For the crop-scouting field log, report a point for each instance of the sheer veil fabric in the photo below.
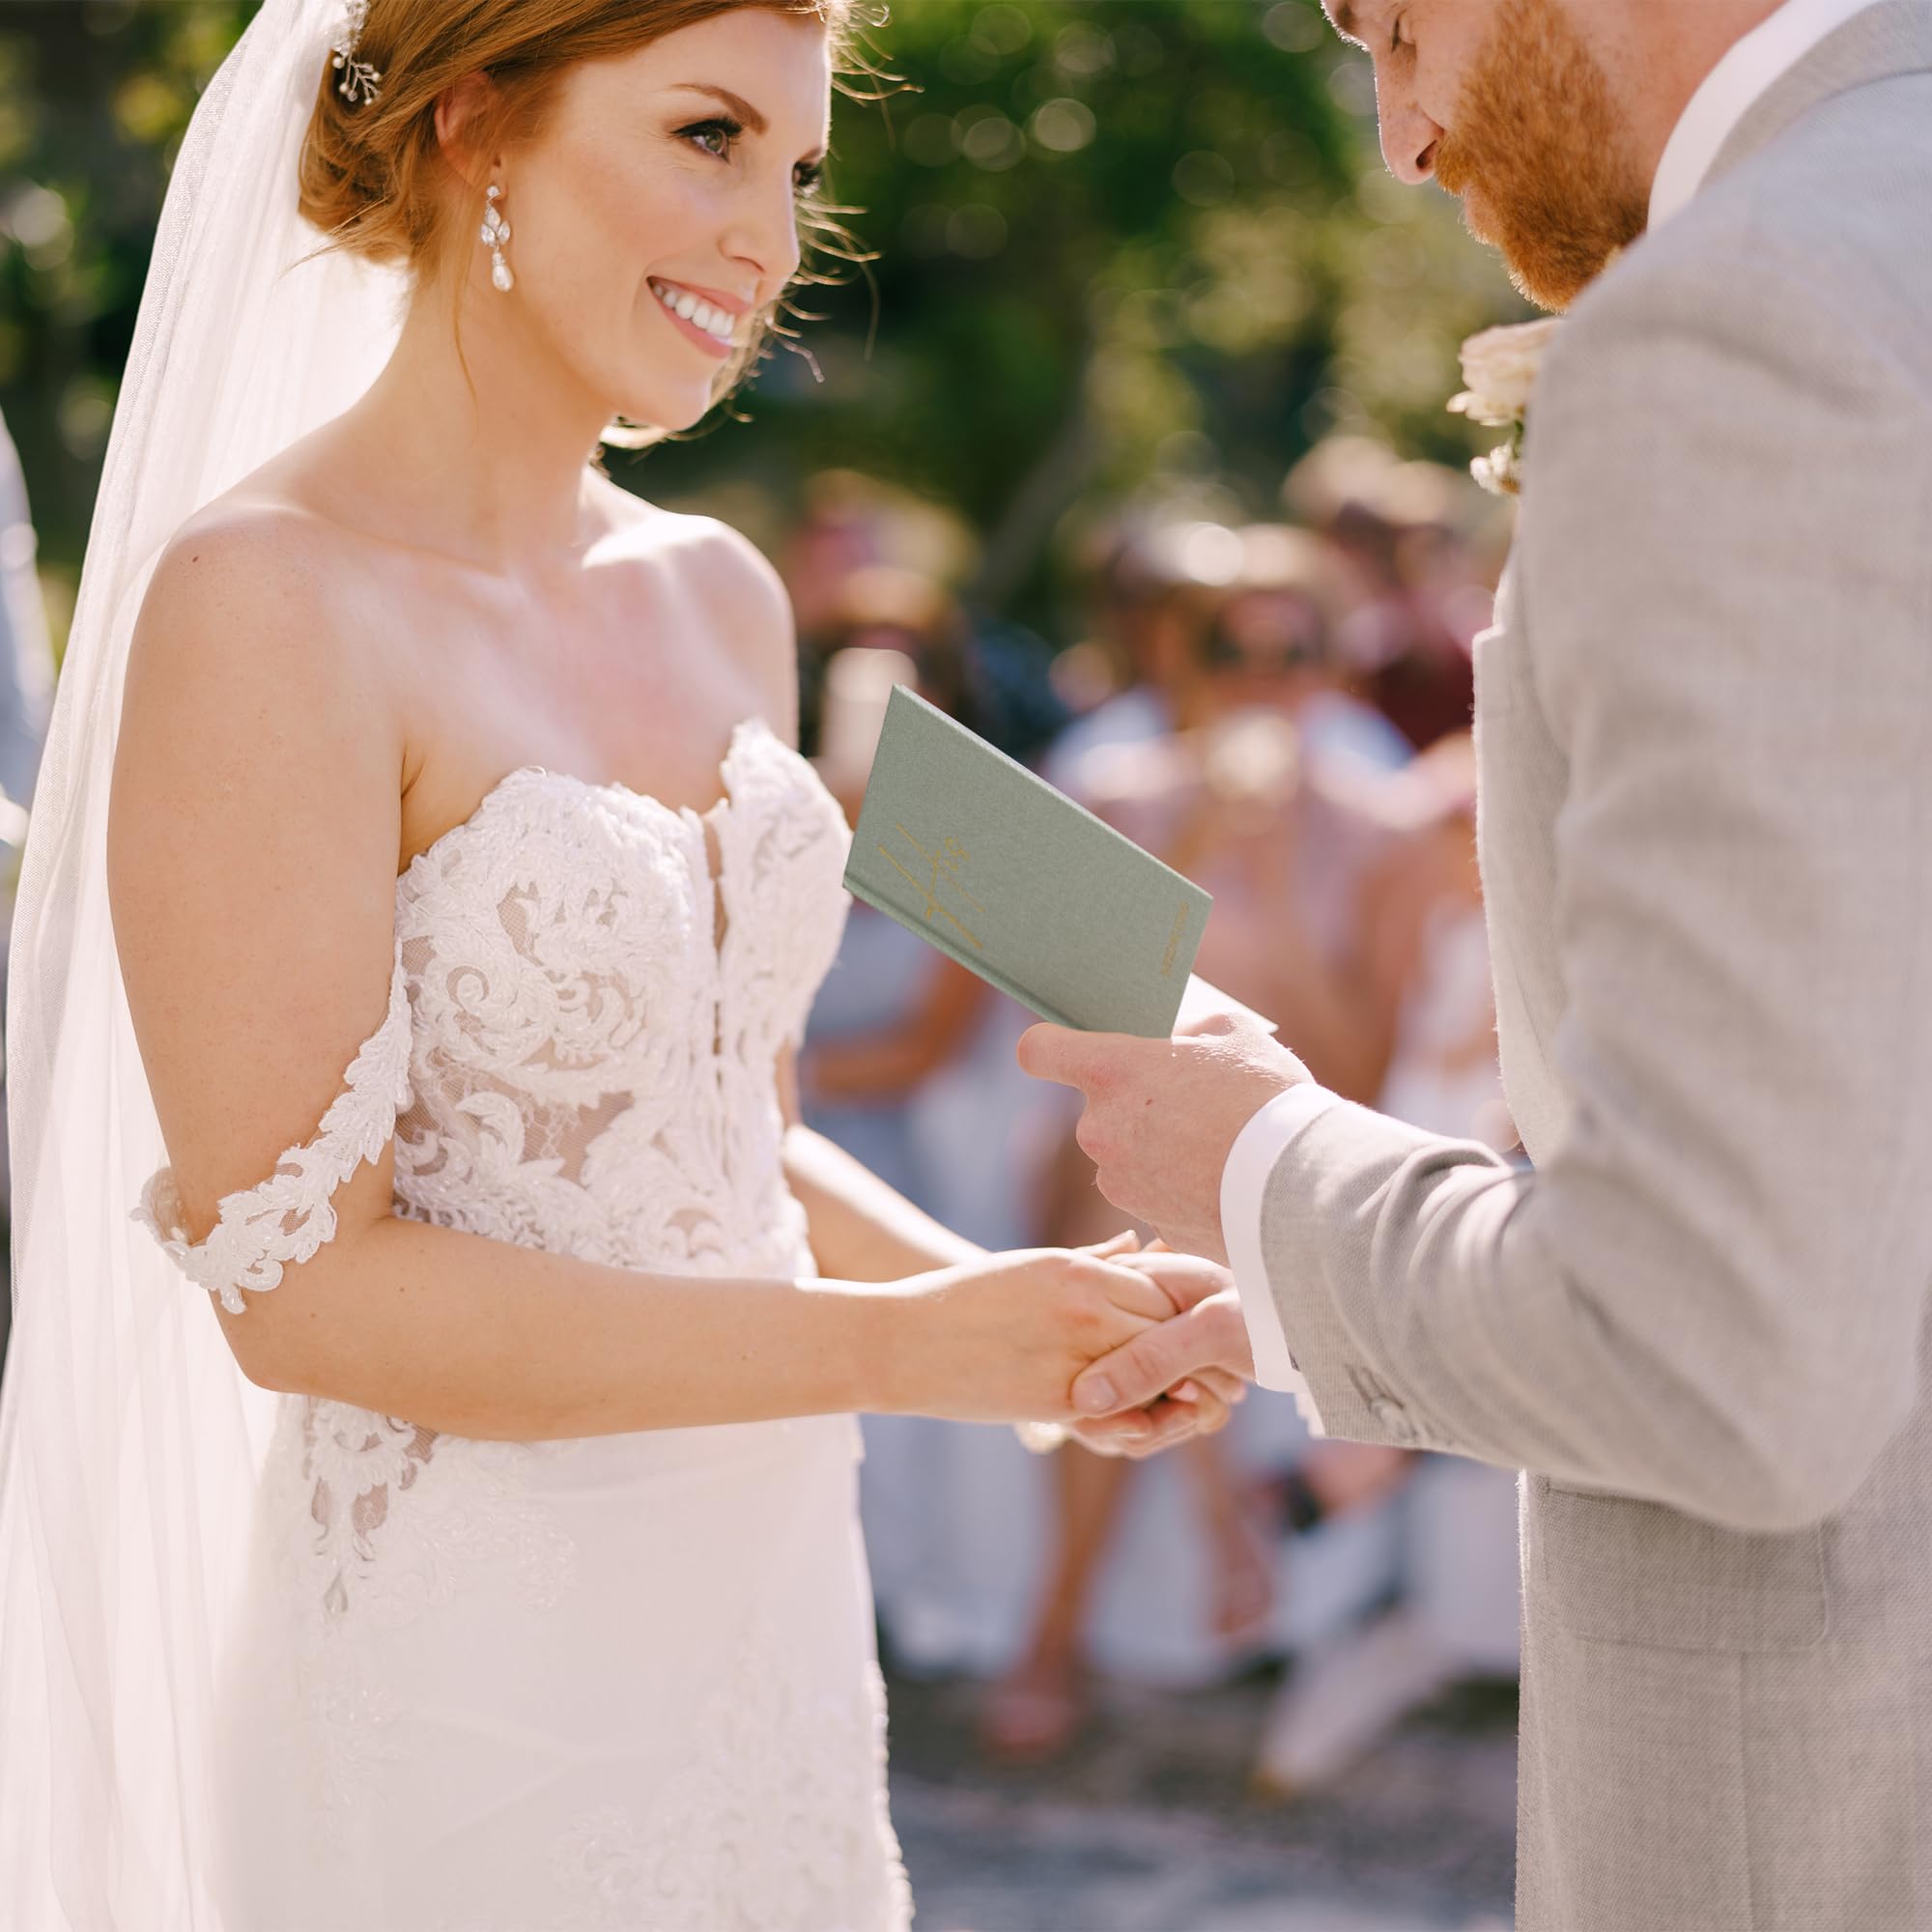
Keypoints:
(130, 1444)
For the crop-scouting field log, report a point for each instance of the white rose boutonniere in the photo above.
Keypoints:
(1499, 368)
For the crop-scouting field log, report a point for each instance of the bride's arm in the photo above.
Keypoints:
(861, 1227)
(254, 834)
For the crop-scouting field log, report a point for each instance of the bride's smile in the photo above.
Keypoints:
(710, 319)
(655, 212)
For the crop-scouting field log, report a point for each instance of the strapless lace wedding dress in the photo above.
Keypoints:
(627, 1681)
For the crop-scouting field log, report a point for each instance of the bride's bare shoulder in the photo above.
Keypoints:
(255, 586)
(248, 560)
(246, 660)
(719, 573)
(721, 563)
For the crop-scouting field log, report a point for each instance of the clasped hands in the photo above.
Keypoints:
(1179, 1377)
(1160, 1119)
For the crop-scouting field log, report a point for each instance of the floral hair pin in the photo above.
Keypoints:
(359, 78)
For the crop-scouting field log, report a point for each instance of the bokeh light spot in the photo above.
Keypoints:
(1063, 127)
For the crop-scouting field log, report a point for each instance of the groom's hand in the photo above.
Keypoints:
(1162, 1115)
(1121, 1395)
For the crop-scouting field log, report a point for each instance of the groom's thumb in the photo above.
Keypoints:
(1128, 1377)
(1206, 1337)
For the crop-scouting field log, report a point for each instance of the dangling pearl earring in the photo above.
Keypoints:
(496, 232)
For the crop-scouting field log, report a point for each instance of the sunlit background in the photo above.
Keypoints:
(1124, 250)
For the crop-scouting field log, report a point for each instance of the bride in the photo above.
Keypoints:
(423, 903)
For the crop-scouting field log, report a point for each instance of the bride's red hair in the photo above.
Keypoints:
(370, 174)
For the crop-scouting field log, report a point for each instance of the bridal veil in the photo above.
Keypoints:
(129, 1442)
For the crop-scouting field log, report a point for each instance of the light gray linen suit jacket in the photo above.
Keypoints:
(1704, 727)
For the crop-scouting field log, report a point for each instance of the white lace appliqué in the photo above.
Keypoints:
(287, 1217)
(572, 1060)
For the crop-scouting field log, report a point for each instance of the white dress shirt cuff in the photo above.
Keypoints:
(1244, 1182)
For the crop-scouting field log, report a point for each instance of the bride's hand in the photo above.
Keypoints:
(1001, 1339)
(1198, 1405)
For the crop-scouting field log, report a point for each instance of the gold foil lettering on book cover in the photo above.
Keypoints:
(1173, 940)
(944, 868)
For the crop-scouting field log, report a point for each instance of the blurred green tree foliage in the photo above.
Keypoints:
(93, 96)
(1122, 245)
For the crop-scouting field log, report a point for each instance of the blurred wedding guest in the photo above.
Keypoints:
(1284, 613)
(1424, 912)
(26, 655)
(892, 1009)
(1456, 1611)
(1141, 581)
(26, 696)
(849, 523)
(1152, 594)
(863, 1051)
(1288, 840)
(886, 607)
(1288, 847)
(1411, 539)
(893, 1070)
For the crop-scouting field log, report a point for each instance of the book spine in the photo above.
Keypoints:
(936, 936)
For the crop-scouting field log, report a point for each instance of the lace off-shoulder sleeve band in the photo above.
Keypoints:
(288, 1216)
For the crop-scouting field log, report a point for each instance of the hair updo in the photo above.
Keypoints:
(371, 176)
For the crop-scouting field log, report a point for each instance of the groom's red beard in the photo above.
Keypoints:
(1539, 155)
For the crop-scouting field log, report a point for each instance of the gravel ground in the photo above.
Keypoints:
(1149, 1824)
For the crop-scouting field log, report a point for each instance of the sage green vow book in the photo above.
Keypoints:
(987, 861)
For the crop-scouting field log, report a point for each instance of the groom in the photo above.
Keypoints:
(1705, 729)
